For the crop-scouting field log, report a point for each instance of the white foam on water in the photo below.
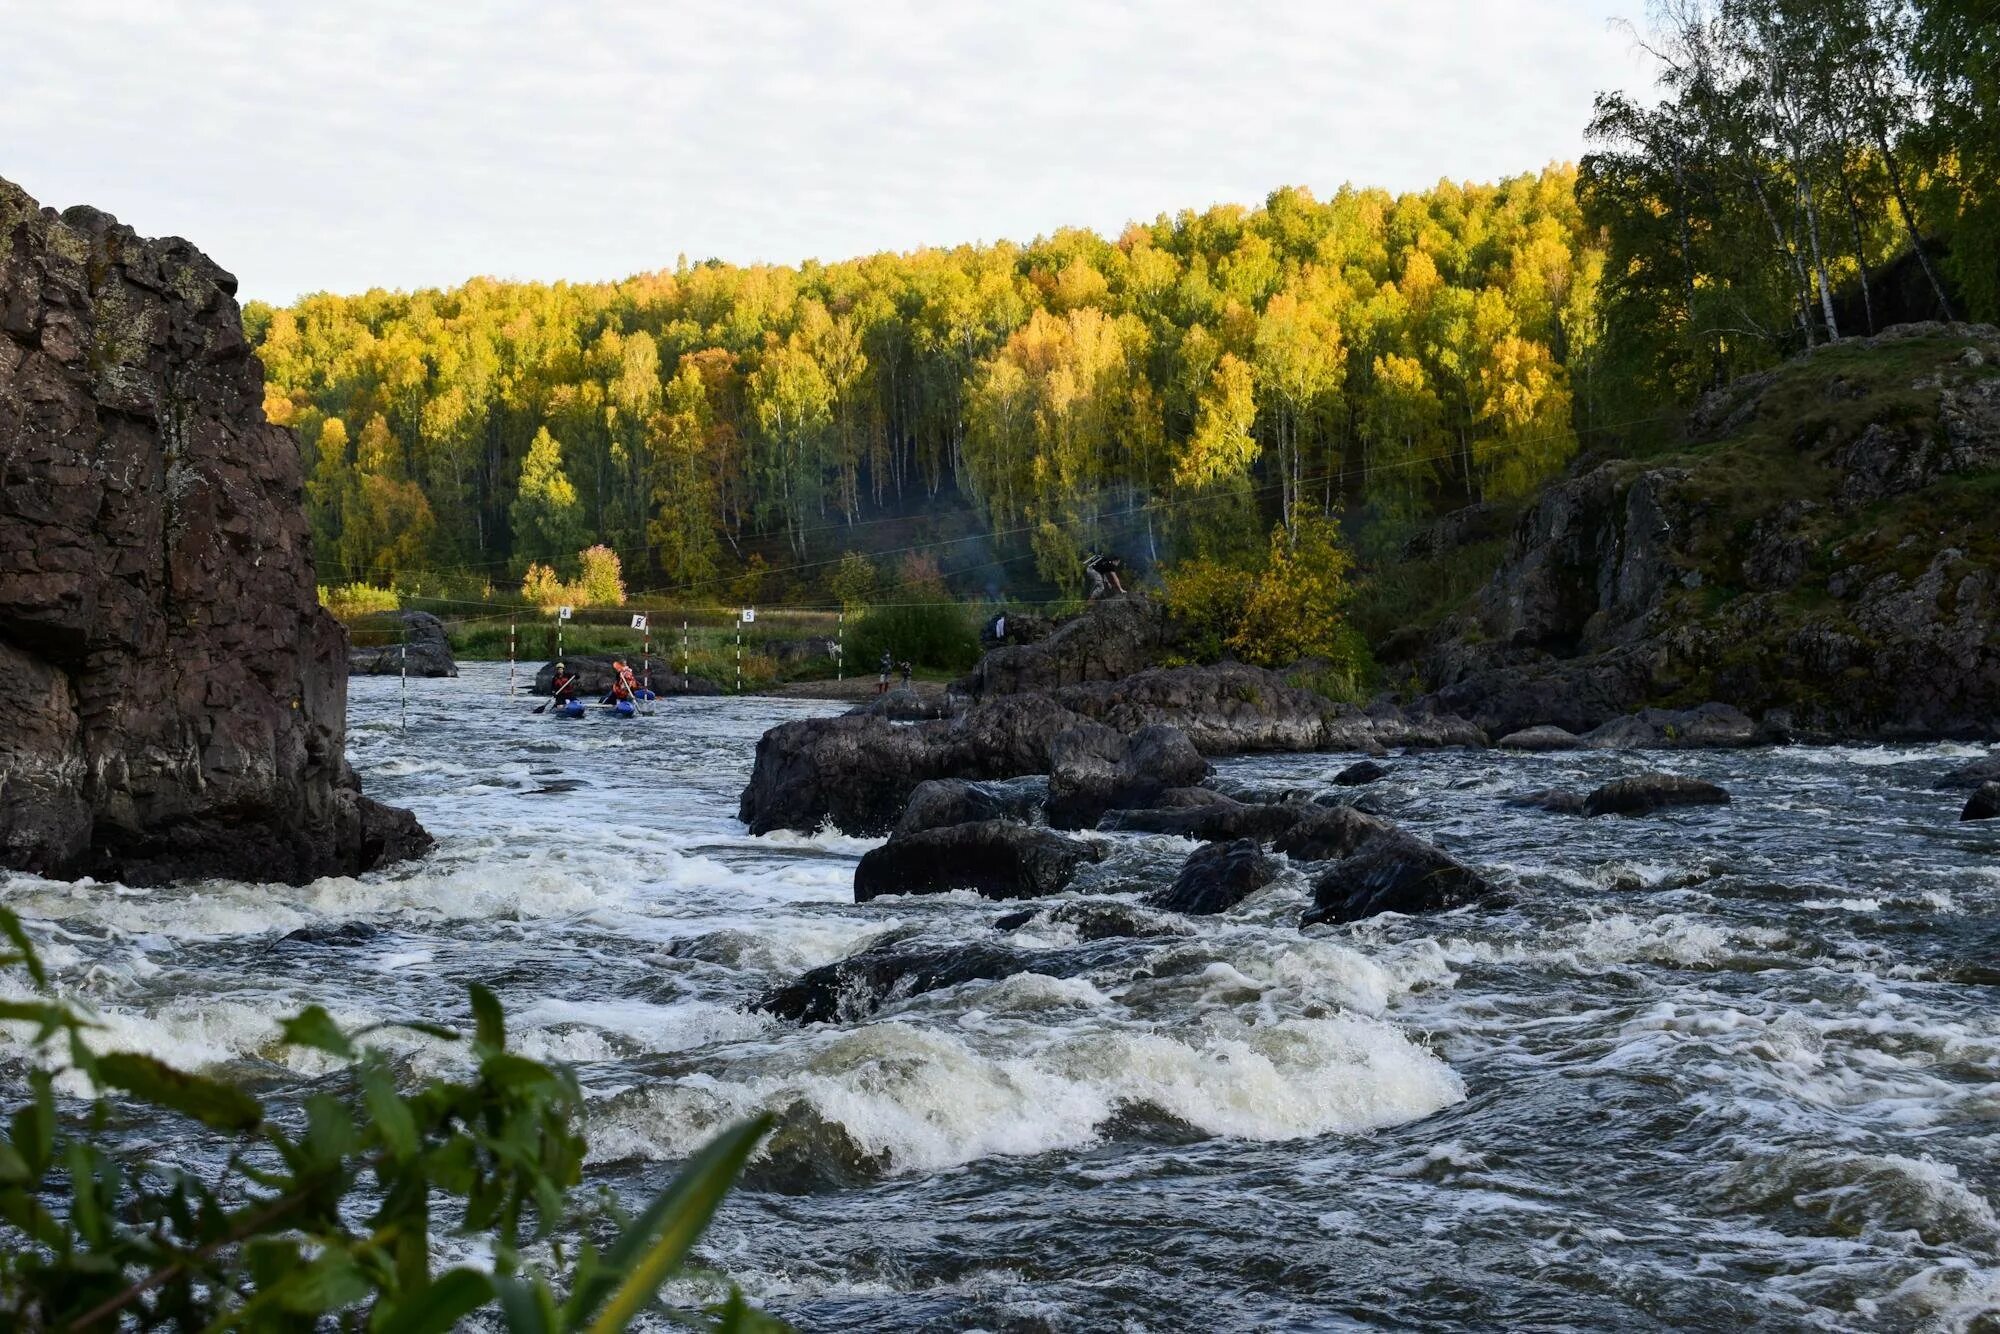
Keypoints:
(930, 1099)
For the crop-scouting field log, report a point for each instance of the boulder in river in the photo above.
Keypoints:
(1108, 641)
(1560, 800)
(1394, 872)
(941, 802)
(1643, 794)
(1096, 919)
(178, 698)
(1216, 878)
(1363, 771)
(422, 649)
(993, 858)
(1708, 726)
(907, 704)
(1093, 769)
(1983, 804)
(1324, 833)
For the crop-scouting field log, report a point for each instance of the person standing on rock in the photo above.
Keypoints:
(888, 668)
(905, 670)
(1100, 572)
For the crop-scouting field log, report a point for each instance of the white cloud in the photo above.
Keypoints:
(356, 143)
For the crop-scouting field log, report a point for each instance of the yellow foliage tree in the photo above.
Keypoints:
(1295, 609)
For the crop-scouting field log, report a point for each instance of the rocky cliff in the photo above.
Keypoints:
(1821, 551)
(178, 699)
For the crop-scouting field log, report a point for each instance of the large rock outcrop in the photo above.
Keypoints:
(422, 648)
(180, 699)
(1822, 557)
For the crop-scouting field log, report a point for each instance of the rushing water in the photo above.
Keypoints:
(1723, 1067)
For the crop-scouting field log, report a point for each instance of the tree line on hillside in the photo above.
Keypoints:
(1180, 387)
(1799, 148)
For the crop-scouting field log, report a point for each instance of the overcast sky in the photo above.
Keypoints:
(346, 144)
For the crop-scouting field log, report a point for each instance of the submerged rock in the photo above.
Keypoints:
(994, 859)
(857, 986)
(1216, 878)
(1354, 775)
(1559, 800)
(1983, 804)
(1213, 822)
(1975, 774)
(1646, 793)
(178, 701)
(1547, 737)
(1394, 872)
(1095, 919)
(423, 650)
(333, 934)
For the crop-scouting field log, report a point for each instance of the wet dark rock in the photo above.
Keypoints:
(858, 772)
(1224, 709)
(1559, 800)
(1216, 878)
(1540, 739)
(906, 704)
(422, 648)
(1327, 832)
(1354, 775)
(333, 934)
(594, 677)
(1645, 793)
(1972, 775)
(1394, 872)
(857, 986)
(1983, 804)
(994, 859)
(1093, 769)
(940, 802)
(1213, 822)
(1095, 919)
(1109, 641)
(1708, 726)
(557, 785)
(178, 701)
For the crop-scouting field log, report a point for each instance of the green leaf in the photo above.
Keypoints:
(389, 1113)
(215, 1104)
(456, 1294)
(660, 1238)
(489, 1027)
(10, 926)
(314, 1027)
(526, 1306)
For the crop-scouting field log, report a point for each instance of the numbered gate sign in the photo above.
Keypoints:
(638, 622)
(562, 613)
(749, 615)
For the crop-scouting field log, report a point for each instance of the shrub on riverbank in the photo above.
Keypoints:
(332, 1209)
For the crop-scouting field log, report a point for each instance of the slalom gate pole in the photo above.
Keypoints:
(646, 663)
(840, 648)
(684, 648)
(559, 652)
(510, 659)
(405, 655)
(739, 655)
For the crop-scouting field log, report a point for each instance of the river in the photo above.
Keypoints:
(1724, 1067)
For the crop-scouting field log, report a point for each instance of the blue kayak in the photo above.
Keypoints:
(623, 708)
(569, 708)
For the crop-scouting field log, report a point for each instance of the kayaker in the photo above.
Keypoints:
(563, 686)
(622, 682)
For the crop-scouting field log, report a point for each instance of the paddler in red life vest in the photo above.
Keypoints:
(563, 686)
(622, 681)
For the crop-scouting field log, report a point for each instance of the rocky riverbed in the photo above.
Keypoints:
(1715, 1063)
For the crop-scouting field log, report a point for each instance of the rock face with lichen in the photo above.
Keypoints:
(179, 698)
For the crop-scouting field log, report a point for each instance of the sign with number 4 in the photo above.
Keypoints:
(563, 613)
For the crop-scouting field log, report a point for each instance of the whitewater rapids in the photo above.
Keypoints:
(1733, 1064)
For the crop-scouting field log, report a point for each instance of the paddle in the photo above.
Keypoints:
(555, 695)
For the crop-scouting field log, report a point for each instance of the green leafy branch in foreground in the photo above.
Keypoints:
(286, 1238)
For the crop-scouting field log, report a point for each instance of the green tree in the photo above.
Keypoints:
(547, 518)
